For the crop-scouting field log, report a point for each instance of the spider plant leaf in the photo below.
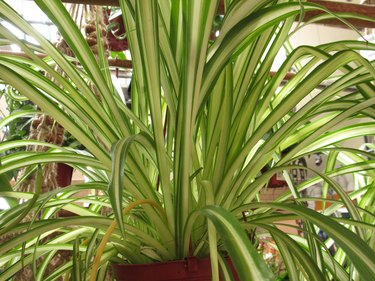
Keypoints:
(76, 271)
(147, 34)
(54, 110)
(356, 249)
(30, 204)
(23, 159)
(90, 251)
(18, 114)
(301, 259)
(248, 28)
(60, 60)
(60, 16)
(5, 186)
(42, 268)
(248, 263)
(336, 269)
(119, 153)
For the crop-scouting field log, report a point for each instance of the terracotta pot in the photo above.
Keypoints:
(277, 180)
(64, 174)
(64, 178)
(189, 269)
(114, 43)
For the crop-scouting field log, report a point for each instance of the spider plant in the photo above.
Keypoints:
(182, 169)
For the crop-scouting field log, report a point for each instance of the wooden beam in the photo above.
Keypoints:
(338, 7)
(127, 64)
(335, 7)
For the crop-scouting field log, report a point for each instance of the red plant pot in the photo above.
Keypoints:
(64, 174)
(64, 178)
(114, 43)
(190, 269)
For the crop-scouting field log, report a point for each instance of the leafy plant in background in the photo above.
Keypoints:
(18, 128)
(182, 169)
(15, 124)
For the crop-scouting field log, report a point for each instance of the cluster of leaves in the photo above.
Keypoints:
(15, 125)
(18, 128)
(182, 169)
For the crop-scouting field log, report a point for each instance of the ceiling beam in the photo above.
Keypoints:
(335, 7)
(339, 7)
